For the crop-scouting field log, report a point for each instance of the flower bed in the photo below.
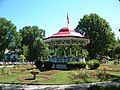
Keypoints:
(30, 78)
(50, 72)
(42, 76)
(19, 70)
(110, 69)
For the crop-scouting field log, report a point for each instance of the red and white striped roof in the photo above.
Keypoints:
(66, 33)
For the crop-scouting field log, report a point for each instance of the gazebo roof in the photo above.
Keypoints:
(66, 33)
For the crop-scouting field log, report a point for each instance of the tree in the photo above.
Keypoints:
(25, 51)
(98, 30)
(40, 50)
(9, 38)
(33, 38)
(117, 50)
(112, 53)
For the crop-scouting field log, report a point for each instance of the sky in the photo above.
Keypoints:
(51, 15)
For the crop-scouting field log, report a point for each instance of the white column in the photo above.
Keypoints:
(76, 52)
(70, 51)
(83, 59)
(48, 51)
(82, 53)
(71, 48)
(64, 51)
(55, 51)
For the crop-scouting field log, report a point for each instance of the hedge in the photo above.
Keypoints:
(38, 63)
(47, 65)
(76, 65)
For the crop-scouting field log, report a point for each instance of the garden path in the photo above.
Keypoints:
(55, 87)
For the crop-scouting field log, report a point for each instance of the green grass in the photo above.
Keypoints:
(110, 62)
(61, 77)
(11, 78)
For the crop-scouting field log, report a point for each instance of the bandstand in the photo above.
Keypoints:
(65, 37)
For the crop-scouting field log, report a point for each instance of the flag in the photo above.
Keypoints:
(68, 20)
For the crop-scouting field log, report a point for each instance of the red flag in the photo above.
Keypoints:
(68, 20)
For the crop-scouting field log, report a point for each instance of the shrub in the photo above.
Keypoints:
(80, 74)
(79, 65)
(102, 74)
(48, 65)
(22, 58)
(93, 64)
(5, 71)
(75, 65)
(38, 63)
(70, 65)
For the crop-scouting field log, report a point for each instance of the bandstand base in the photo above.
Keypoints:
(60, 63)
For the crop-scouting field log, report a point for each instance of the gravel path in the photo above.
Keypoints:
(55, 87)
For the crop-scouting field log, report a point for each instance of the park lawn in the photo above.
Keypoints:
(61, 77)
(11, 78)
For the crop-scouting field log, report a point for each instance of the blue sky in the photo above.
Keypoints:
(50, 15)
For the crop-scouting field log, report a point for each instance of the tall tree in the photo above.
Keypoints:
(98, 30)
(31, 37)
(40, 50)
(9, 38)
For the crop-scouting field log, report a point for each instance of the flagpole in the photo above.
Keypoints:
(68, 22)
(67, 19)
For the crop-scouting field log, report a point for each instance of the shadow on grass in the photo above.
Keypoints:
(113, 78)
(29, 79)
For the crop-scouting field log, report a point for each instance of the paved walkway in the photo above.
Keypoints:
(43, 87)
(55, 87)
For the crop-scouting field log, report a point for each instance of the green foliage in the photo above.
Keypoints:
(117, 52)
(102, 39)
(25, 50)
(38, 63)
(70, 65)
(93, 64)
(67, 51)
(32, 38)
(80, 74)
(48, 65)
(103, 75)
(40, 50)
(9, 37)
(22, 58)
(5, 71)
(76, 65)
